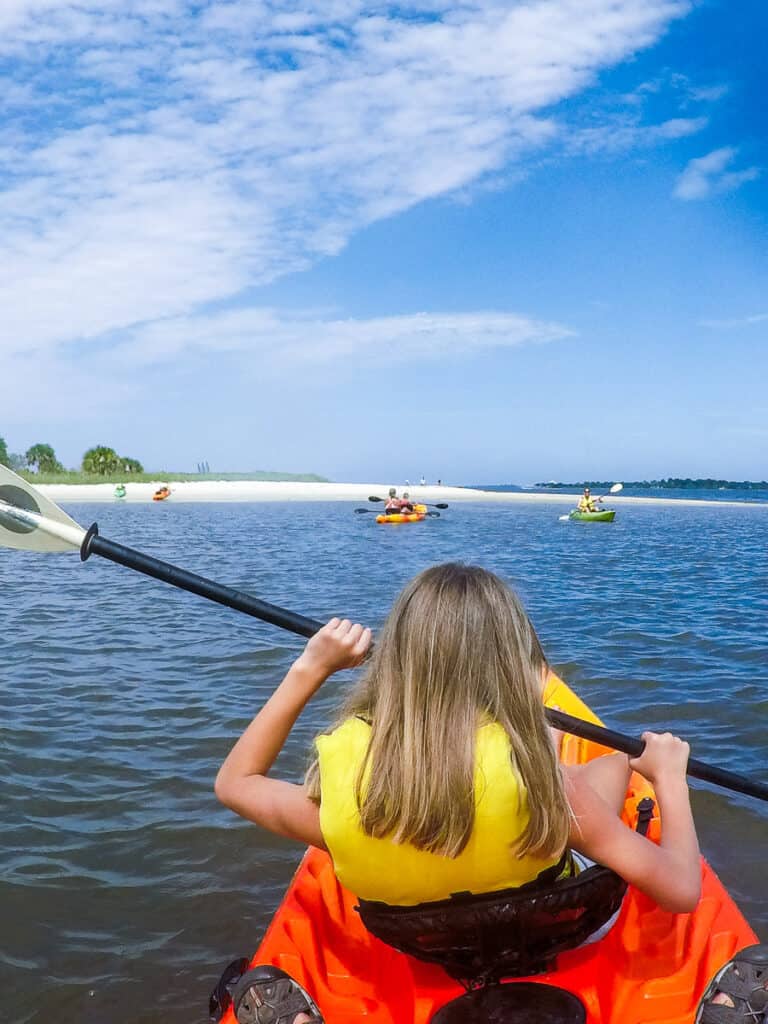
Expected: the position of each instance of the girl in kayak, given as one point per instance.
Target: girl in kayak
(441, 775)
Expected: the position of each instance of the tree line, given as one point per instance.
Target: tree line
(41, 458)
(671, 483)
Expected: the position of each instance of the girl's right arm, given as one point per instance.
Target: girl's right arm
(669, 873)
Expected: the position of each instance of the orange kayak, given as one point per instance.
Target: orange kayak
(652, 966)
(161, 494)
(400, 517)
(419, 513)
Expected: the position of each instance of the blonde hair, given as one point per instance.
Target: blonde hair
(457, 650)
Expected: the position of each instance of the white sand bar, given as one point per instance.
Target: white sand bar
(258, 490)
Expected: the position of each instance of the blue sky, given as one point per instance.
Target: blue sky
(476, 241)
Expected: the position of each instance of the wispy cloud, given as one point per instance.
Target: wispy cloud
(742, 321)
(708, 93)
(711, 175)
(275, 338)
(264, 343)
(624, 132)
(676, 88)
(160, 156)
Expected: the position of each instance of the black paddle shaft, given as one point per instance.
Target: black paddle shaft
(93, 544)
(634, 747)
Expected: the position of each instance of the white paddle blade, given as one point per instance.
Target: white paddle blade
(31, 522)
(616, 488)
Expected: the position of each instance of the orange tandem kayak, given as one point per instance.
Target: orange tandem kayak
(419, 513)
(651, 968)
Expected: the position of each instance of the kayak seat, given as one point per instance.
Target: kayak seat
(512, 933)
(519, 1003)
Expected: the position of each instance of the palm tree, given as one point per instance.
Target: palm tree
(102, 461)
(43, 458)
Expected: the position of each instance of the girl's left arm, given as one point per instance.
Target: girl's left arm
(243, 783)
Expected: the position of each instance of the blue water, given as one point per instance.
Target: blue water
(125, 888)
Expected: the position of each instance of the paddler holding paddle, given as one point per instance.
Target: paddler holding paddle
(452, 693)
(587, 503)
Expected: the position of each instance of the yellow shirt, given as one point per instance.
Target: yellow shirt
(398, 873)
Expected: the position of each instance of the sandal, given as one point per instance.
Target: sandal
(744, 980)
(267, 995)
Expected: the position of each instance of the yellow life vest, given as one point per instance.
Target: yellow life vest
(587, 504)
(398, 873)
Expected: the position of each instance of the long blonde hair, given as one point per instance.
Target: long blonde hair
(456, 650)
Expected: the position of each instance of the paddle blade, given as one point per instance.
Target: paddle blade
(563, 519)
(432, 515)
(441, 504)
(372, 497)
(361, 510)
(616, 488)
(31, 522)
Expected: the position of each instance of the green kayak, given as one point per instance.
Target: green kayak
(605, 515)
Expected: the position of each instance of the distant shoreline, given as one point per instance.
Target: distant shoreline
(667, 484)
(288, 491)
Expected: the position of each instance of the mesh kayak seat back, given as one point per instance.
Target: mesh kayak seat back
(514, 933)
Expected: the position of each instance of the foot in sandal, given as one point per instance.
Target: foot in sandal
(267, 995)
(738, 993)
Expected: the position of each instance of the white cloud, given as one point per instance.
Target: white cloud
(162, 155)
(743, 321)
(710, 175)
(624, 132)
(265, 340)
(275, 338)
(708, 93)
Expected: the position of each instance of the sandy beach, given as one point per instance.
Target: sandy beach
(258, 490)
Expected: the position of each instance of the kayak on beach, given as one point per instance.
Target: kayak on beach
(120, 491)
(652, 966)
(604, 515)
(161, 494)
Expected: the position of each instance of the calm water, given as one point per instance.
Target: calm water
(125, 888)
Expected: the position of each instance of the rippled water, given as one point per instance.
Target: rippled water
(125, 888)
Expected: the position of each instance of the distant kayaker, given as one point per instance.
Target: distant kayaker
(452, 693)
(406, 505)
(587, 503)
(393, 502)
